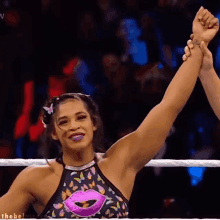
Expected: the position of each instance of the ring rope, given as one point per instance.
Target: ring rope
(152, 163)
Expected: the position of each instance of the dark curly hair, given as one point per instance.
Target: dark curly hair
(91, 107)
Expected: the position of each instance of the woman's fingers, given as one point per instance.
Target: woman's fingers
(206, 17)
(199, 13)
(191, 36)
(184, 57)
(202, 14)
(213, 22)
(190, 44)
(209, 20)
(187, 51)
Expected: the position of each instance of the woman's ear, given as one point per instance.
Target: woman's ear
(54, 135)
(94, 127)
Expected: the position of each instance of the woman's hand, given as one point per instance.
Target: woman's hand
(207, 62)
(205, 26)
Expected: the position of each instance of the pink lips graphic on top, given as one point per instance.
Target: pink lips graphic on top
(81, 196)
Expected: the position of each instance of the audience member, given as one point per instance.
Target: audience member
(151, 35)
(16, 68)
(29, 129)
(109, 17)
(121, 94)
(134, 50)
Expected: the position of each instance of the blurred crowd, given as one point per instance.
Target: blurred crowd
(124, 54)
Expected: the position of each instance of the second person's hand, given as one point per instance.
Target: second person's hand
(207, 62)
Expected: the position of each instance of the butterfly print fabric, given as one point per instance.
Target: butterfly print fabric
(84, 192)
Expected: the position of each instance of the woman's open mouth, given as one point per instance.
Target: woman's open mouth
(77, 137)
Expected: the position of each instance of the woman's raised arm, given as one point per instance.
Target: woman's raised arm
(139, 147)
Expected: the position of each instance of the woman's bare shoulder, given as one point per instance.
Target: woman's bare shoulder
(41, 171)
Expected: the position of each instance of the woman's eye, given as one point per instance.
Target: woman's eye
(62, 122)
(81, 117)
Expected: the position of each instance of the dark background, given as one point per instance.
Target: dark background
(38, 38)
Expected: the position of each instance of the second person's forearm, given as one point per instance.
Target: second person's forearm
(211, 84)
(183, 83)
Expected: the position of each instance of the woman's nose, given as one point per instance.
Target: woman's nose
(74, 125)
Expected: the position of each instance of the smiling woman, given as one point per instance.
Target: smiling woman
(90, 186)
(59, 115)
(87, 188)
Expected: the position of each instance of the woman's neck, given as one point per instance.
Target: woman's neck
(78, 158)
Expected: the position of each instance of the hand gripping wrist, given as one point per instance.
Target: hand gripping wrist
(196, 42)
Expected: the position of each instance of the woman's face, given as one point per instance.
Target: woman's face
(71, 118)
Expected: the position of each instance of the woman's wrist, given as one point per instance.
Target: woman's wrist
(206, 69)
(196, 48)
(197, 41)
(205, 72)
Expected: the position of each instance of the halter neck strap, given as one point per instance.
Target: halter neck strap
(59, 159)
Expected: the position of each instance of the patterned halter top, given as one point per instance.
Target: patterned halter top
(84, 192)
